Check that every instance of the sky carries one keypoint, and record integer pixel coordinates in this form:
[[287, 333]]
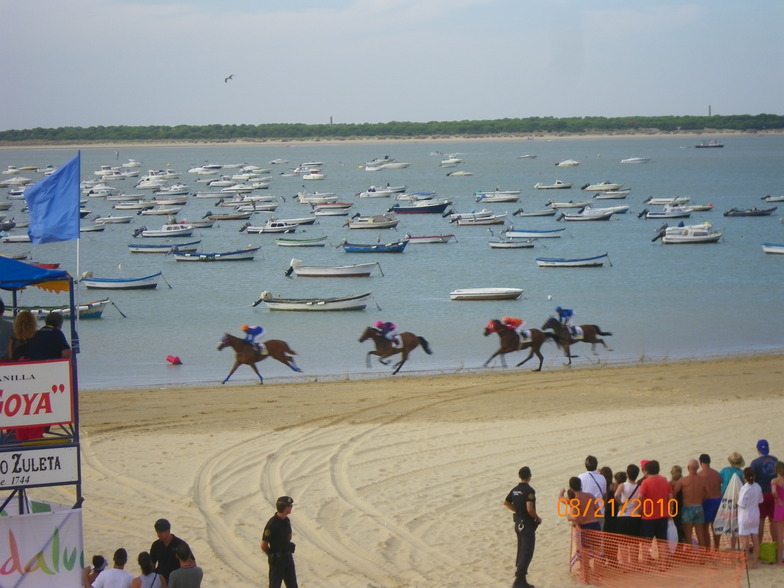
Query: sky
[[163, 62]]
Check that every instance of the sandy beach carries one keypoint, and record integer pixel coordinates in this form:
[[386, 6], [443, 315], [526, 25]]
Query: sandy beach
[[427, 140], [400, 482]]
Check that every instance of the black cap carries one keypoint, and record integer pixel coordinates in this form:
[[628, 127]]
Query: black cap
[[287, 500], [162, 525]]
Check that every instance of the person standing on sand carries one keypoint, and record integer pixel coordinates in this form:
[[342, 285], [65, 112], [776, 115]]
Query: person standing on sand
[[749, 520], [711, 504], [188, 575], [594, 484], [115, 577], [764, 468], [521, 500], [695, 491], [278, 547], [654, 494], [163, 551]]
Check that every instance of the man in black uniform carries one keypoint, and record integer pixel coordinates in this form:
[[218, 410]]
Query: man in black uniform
[[522, 502], [163, 551], [277, 545]]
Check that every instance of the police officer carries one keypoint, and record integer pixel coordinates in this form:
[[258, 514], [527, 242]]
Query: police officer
[[522, 502], [277, 545]]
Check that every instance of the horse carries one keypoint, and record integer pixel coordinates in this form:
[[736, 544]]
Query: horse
[[246, 353], [565, 340], [384, 347], [511, 341]]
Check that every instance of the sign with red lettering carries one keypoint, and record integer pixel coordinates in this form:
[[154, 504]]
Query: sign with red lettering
[[36, 393]]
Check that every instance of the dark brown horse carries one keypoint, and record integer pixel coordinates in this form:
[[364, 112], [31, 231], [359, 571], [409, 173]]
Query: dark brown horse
[[565, 339], [384, 347], [511, 341], [246, 353]]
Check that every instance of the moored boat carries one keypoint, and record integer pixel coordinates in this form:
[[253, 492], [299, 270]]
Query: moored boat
[[521, 212], [512, 244], [773, 248], [602, 187], [356, 302], [557, 185], [163, 248], [169, 230], [429, 239], [357, 270], [486, 294], [246, 254], [683, 234], [315, 242], [88, 310], [754, 211], [143, 283], [420, 207], [493, 219], [533, 233], [395, 247], [380, 221], [595, 261]]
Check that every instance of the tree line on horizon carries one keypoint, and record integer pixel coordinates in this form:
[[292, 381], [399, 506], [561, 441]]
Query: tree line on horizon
[[498, 127]]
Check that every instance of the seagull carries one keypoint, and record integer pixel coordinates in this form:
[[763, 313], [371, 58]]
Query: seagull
[[226, 80]]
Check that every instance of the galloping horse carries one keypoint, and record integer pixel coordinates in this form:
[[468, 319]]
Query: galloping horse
[[511, 341], [246, 354], [565, 340], [384, 347]]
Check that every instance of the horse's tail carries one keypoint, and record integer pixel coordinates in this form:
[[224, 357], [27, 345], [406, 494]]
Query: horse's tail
[[600, 332], [425, 345]]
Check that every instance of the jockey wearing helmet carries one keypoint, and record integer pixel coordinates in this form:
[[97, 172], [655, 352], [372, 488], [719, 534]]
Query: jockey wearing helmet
[[253, 335], [389, 330], [566, 316]]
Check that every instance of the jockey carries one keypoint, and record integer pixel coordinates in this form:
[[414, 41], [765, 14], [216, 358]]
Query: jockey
[[253, 335], [566, 316], [516, 324], [389, 330]]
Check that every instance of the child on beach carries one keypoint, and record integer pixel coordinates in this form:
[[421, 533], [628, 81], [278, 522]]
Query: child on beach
[[749, 515]]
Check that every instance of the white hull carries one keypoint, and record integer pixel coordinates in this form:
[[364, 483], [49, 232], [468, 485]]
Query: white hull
[[486, 294]]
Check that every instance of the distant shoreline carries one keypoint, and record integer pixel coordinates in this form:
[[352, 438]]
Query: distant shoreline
[[533, 138]]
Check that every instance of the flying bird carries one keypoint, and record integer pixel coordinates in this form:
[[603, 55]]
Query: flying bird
[[226, 80]]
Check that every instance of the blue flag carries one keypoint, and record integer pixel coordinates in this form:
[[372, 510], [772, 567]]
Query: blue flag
[[54, 205]]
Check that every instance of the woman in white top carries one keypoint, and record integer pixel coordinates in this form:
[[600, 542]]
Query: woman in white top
[[148, 579], [749, 499]]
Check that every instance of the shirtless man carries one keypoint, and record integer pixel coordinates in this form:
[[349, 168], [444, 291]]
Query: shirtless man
[[695, 491], [711, 505]]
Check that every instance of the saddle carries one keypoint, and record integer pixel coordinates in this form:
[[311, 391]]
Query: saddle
[[576, 333]]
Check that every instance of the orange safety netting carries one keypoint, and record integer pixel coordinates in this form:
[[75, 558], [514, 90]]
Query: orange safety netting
[[609, 559]]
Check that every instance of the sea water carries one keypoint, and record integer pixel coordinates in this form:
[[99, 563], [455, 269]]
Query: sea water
[[661, 303]]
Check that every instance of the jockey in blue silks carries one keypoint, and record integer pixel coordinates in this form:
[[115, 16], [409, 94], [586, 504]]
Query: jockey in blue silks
[[566, 317], [253, 335]]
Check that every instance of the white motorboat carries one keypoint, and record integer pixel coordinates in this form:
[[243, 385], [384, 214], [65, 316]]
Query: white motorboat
[[317, 197], [485, 212], [773, 248], [380, 221], [113, 220], [668, 211], [170, 230], [636, 160], [386, 162], [602, 187], [469, 221], [568, 163], [486, 294], [702, 233], [570, 204], [587, 214], [374, 192], [132, 163], [271, 226], [612, 195], [678, 200], [459, 174], [314, 175], [512, 244], [557, 185]]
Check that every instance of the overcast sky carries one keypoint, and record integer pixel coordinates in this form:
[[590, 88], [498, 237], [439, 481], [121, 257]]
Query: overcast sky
[[163, 62]]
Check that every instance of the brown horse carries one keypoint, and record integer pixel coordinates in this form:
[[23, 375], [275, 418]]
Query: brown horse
[[246, 353], [511, 341], [384, 347], [565, 340]]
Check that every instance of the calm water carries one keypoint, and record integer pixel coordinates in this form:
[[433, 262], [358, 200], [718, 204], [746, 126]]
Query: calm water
[[660, 302]]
